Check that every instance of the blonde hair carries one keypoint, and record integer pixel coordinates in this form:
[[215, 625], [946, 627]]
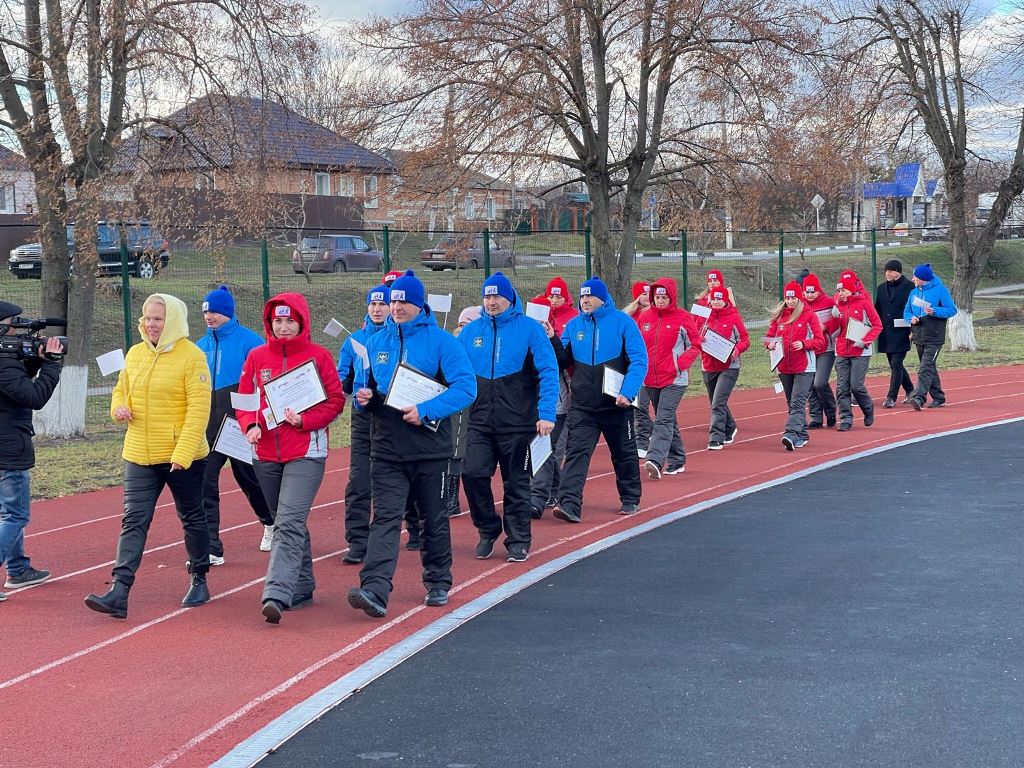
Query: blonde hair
[[777, 312]]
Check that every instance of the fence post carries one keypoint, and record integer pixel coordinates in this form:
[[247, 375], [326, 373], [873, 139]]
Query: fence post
[[487, 253], [586, 252], [874, 254], [387, 249], [782, 247], [126, 295], [265, 268], [686, 266]]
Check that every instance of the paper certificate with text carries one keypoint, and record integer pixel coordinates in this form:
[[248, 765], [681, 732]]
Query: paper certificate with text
[[410, 387], [231, 442], [299, 389], [719, 347], [611, 384], [775, 355], [856, 330], [540, 450]]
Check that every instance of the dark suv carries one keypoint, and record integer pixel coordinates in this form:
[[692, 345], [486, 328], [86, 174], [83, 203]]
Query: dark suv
[[336, 253], [147, 251], [465, 252]]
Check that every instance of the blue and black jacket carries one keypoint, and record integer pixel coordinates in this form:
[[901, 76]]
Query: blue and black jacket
[[930, 329], [350, 367], [606, 337], [516, 371], [226, 349], [420, 344]]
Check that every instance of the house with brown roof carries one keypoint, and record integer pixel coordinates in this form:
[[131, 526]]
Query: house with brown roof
[[17, 187]]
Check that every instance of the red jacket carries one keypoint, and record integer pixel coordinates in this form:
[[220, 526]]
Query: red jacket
[[807, 329], [822, 307], [861, 308], [560, 317], [285, 442], [671, 337], [728, 323]]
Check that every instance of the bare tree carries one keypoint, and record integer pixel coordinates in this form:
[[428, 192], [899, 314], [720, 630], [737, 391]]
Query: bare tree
[[76, 76]]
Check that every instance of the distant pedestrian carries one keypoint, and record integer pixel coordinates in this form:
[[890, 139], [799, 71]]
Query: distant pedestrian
[[821, 402], [854, 309], [642, 411], [891, 299], [927, 318], [715, 279], [720, 376]]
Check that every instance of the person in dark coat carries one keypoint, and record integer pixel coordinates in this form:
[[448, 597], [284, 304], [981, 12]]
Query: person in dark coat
[[890, 301]]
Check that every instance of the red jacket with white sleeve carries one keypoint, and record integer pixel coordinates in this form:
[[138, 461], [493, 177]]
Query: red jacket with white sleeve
[[671, 338], [728, 323], [861, 308], [805, 328]]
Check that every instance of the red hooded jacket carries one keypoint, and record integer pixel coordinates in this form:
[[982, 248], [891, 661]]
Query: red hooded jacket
[[671, 337], [561, 316], [822, 307], [728, 323], [286, 442], [858, 307], [806, 329]]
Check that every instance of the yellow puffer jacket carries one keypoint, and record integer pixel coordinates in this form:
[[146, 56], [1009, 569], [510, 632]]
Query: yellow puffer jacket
[[167, 387]]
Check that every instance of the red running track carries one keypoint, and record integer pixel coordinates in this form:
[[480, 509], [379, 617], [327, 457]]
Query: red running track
[[176, 687]]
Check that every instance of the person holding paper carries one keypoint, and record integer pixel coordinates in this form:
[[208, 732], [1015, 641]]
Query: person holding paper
[[411, 444], [929, 308], [517, 394], [798, 332], [599, 338], [291, 446], [226, 344], [890, 300], [642, 411], [163, 394], [821, 402], [673, 343], [353, 370], [719, 375], [859, 325]]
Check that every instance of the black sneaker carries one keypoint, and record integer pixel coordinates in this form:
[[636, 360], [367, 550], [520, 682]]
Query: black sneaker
[[2, 597], [830, 421], [789, 442], [629, 509], [917, 402], [28, 578], [730, 438], [300, 601], [352, 558], [932, 404], [366, 601], [715, 445], [908, 400], [801, 442], [436, 597], [272, 611], [414, 544], [677, 469], [536, 512], [869, 418], [517, 553], [815, 425], [484, 548], [568, 517], [844, 427], [551, 502], [890, 402]]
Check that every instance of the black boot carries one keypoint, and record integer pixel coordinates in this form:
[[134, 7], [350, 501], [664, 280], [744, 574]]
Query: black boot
[[198, 593], [114, 603]]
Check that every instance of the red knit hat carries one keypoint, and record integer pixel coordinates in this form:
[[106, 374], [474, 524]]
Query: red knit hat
[[792, 290], [391, 276], [812, 281], [719, 294], [849, 281], [558, 287], [716, 274], [640, 286]]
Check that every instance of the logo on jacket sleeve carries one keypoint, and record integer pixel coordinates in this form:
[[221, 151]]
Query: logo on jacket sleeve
[[478, 342], [266, 375], [581, 336], [647, 327], [382, 357]]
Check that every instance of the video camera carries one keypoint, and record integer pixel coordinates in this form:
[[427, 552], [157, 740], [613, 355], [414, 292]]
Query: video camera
[[27, 344]]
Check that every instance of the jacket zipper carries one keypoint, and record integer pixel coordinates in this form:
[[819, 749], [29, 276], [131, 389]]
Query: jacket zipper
[[284, 367], [494, 355]]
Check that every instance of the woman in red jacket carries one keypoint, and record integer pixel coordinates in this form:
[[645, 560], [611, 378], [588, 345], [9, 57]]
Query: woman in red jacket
[[821, 402], [720, 375], [715, 280], [854, 309], [291, 447], [798, 332], [672, 345]]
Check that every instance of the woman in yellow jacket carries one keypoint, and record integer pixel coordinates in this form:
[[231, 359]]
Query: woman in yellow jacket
[[163, 393]]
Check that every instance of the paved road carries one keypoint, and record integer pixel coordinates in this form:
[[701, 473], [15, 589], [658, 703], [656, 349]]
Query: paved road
[[866, 615]]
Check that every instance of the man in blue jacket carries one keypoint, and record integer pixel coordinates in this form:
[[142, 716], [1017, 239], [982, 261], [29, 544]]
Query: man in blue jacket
[[601, 342], [411, 445], [226, 345], [927, 311], [353, 377], [517, 393]]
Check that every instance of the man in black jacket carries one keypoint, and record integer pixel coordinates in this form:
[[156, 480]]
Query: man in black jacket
[[890, 301], [25, 386]]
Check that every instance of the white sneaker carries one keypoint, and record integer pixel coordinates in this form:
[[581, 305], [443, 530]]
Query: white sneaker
[[653, 470], [641, 453], [268, 538], [214, 560], [2, 597]]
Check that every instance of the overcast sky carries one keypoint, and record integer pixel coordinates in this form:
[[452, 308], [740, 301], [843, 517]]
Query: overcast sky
[[339, 10]]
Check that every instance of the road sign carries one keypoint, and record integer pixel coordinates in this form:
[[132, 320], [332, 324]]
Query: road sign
[[817, 201]]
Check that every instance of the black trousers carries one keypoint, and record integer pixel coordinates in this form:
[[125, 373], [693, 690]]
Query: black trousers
[[510, 451], [928, 382], [544, 484], [245, 476], [392, 482], [357, 490], [898, 376], [585, 429], [142, 487], [820, 400]]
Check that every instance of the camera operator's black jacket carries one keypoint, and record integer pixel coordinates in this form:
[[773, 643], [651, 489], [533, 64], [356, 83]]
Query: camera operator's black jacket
[[20, 394]]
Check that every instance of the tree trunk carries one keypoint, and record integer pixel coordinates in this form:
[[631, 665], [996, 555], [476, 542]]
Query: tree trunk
[[966, 265]]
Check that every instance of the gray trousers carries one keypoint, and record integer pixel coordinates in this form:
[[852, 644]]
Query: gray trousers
[[666, 445], [289, 489], [642, 419], [796, 386], [820, 401], [928, 373], [850, 373], [720, 385]]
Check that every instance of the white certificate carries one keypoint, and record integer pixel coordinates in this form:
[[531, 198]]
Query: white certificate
[[716, 345], [299, 389], [899, 322], [612, 385], [775, 355], [917, 301], [410, 387], [700, 310], [249, 402], [539, 312], [856, 330], [824, 315], [540, 450], [111, 362], [231, 442]]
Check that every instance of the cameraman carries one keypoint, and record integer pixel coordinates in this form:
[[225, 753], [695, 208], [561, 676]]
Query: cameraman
[[25, 386]]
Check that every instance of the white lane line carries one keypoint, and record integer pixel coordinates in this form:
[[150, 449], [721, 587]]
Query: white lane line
[[273, 735]]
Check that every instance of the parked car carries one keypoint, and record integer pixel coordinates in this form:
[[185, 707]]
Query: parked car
[[147, 251], [336, 253], [934, 232], [465, 252]]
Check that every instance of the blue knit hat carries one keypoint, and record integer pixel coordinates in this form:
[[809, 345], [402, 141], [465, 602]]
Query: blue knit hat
[[220, 301], [408, 288], [924, 272], [380, 293], [595, 287], [498, 285]]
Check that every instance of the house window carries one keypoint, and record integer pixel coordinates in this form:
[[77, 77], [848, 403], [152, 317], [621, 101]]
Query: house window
[[346, 186], [470, 208], [7, 198], [323, 183], [489, 208], [370, 199]]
